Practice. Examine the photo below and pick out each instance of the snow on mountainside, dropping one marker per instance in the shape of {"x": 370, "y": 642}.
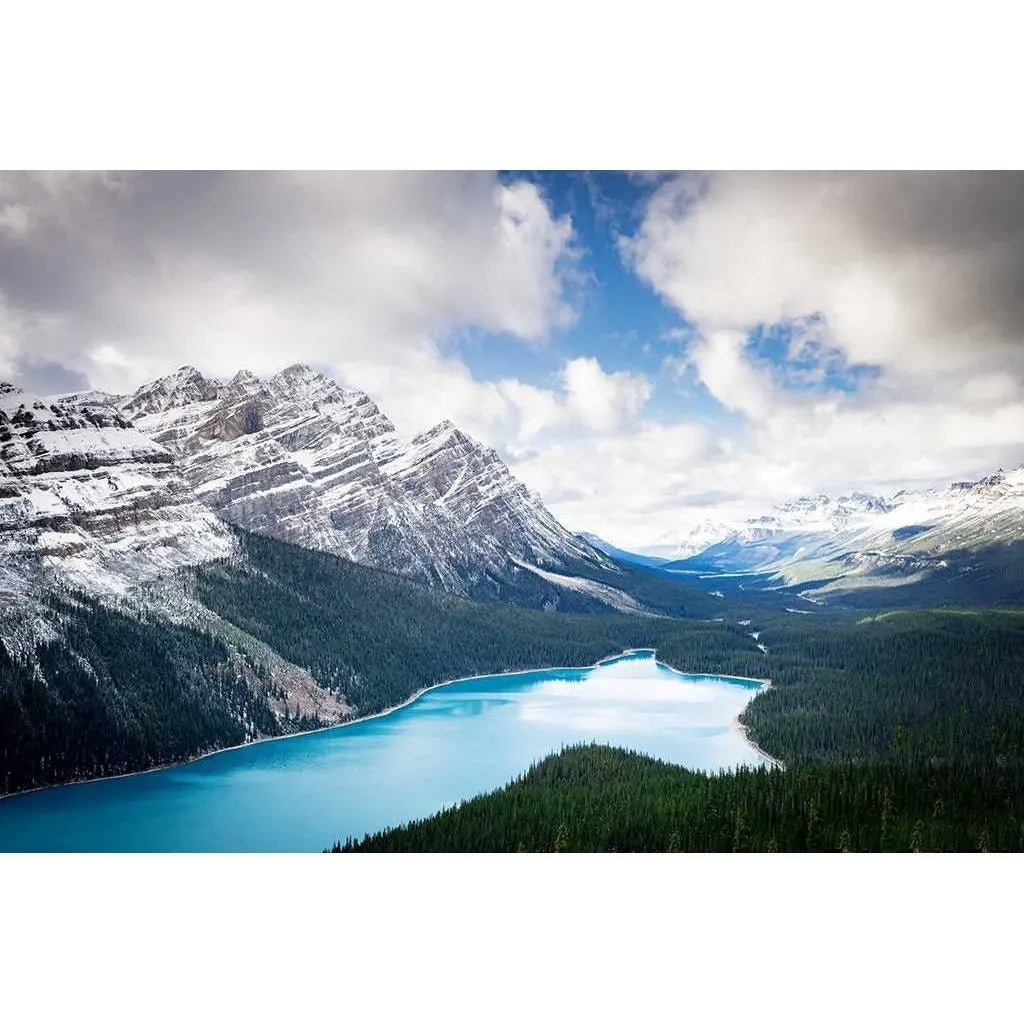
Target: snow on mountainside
{"x": 601, "y": 591}
{"x": 297, "y": 457}
{"x": 89, "y": 501}
{"x": 809, "y": 514}
{"x": 117, "y": 497}
{"x": 862, "y": 540}
{"x": 303, "y": 459}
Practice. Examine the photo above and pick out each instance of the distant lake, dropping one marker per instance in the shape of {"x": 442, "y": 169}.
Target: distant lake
{"x": 452, "y": 742}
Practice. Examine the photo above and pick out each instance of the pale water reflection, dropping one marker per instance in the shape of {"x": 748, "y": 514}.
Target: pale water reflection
{"x": 453, "y": 742}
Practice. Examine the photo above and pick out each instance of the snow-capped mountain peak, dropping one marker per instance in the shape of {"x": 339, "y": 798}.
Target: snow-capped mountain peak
{"x": 88, "y": 499}
{"x": 300, "y": 382}
{"x": 302, "y": 458}
{"x": 183, "y": 387}
{"x": 850, "y": 539}
{"x": 689, "y": 540}
{"x": 245, "y": 382}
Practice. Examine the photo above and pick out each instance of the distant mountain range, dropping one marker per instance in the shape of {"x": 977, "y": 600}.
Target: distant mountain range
{"x": 953, "y": 540}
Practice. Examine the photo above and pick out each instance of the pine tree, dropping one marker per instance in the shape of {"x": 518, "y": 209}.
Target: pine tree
{"x": 917, "y": 838}
{"x": 739, "y": 832}
{"x": 562, "y": 839}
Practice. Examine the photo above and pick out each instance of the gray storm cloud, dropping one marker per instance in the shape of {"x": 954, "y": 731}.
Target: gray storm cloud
{"x": 917, "y": 271}
{"x": 117, "y": 276}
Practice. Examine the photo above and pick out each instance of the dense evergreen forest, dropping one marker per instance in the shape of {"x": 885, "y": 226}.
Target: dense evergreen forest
{"x": 899, "y": 731}
{"x": 121, "y": 690}
{"x": 378, "y": 638}
{"x": 938, "y": 685}
{"x": 118, "y": 693}
{"x": 597, "y": 798}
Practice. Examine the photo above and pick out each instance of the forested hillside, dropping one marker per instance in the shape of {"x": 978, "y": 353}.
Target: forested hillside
{"x": 927, "y": 685}
{"x": 903, "y": 731}
{"x": 117, "y": 693}
{"x": 596, "y": 798}
{"x": 120, "y": 690}
{"x": 378, "y": 637}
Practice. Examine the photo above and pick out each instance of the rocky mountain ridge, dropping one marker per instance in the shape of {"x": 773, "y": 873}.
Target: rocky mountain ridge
{"x": 303, "y": 459}
{"x": 105, "y": 492}
{"x": 88, "y": 501}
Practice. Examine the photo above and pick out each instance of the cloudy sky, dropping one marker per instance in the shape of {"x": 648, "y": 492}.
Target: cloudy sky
{"x": 645, "y": 350}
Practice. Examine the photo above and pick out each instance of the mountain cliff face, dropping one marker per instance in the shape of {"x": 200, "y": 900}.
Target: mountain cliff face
{"x": 88, "y": 501}
{"x": 302, "y": 459}
{"x": 106, "y": 493}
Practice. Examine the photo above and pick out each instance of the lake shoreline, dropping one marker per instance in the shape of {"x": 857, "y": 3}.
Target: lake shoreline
{"x": 744, "y": 732}
{"x": 765, "y": 684}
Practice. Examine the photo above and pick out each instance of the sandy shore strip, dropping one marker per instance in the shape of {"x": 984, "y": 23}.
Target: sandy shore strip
{"x": 742, "y": 730}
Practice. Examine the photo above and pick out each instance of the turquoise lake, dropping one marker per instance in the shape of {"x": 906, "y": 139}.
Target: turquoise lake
{"x": 453, "y": 742}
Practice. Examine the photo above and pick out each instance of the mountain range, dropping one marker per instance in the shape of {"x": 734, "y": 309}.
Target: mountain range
{"x": 113, "y": 494}
{"x": 203, "y": 562}
{"x": 106, "y": 491}
{"x": 176, "y": 564}
{"x": 865, "y": 547}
